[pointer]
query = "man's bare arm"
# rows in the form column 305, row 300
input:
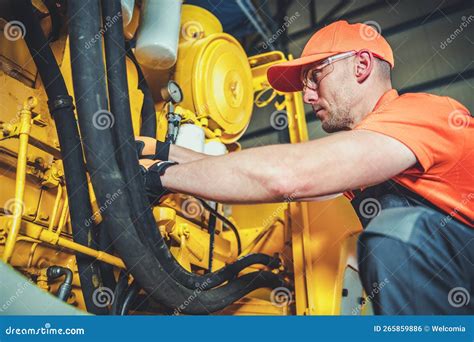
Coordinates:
column 321, row 167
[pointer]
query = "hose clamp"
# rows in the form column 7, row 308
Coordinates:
column 60, row 102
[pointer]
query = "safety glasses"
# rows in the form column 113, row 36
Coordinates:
column 312, row 77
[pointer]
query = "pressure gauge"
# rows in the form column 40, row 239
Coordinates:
column 172, row 92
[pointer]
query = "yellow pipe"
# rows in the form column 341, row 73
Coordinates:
column 57, row 202
column 24, row 134
column 101, row 256
column 64, row 215
column 53, row 239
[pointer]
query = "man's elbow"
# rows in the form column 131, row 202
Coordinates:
column 284, row 185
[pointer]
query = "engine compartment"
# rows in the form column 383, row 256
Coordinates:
column 75, row 219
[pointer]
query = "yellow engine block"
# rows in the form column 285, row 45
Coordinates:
column 221, row 85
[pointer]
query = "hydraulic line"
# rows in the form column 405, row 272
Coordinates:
column 61, row 109
column 148, row 114
column 127, row 161
column 226, row 221
column 64, row 290
column 130, row 296
column 133, row 245
column 18, row 205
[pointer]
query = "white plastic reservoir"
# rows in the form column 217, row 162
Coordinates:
column 158, row 33
column 214, row 148
column 191, row 136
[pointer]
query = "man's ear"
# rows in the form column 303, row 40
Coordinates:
column 364, row 63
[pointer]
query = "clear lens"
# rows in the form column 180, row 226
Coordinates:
column 313, row 76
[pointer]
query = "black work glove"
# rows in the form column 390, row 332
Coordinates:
column 152, row 180
column 162, row 150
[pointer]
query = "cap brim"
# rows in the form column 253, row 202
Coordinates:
column 285, row 77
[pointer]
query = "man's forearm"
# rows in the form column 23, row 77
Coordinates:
column 184, row 155
column 249, row 176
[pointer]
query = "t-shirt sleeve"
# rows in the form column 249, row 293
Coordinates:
column 424, row 127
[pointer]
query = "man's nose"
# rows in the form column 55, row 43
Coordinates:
column 310, row 96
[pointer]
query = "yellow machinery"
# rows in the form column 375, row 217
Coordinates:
column 315, row 241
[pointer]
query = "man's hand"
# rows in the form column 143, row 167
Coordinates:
column 151, row 171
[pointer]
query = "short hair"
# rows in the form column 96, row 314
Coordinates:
column 384, row 69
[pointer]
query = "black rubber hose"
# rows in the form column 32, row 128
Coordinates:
column 225, row 221
column 148, row 114
column 105, row 244
column 119, row 293
column 61, row 109
column 130, row 296
column 127, row 160
column 64, row 290
column 211, row 227
column 106, row 178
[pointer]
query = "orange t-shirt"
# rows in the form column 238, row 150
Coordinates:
column 440, row 132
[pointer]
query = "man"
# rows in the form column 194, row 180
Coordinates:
column 411, row 155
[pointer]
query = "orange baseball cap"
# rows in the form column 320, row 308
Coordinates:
column 331, row 40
